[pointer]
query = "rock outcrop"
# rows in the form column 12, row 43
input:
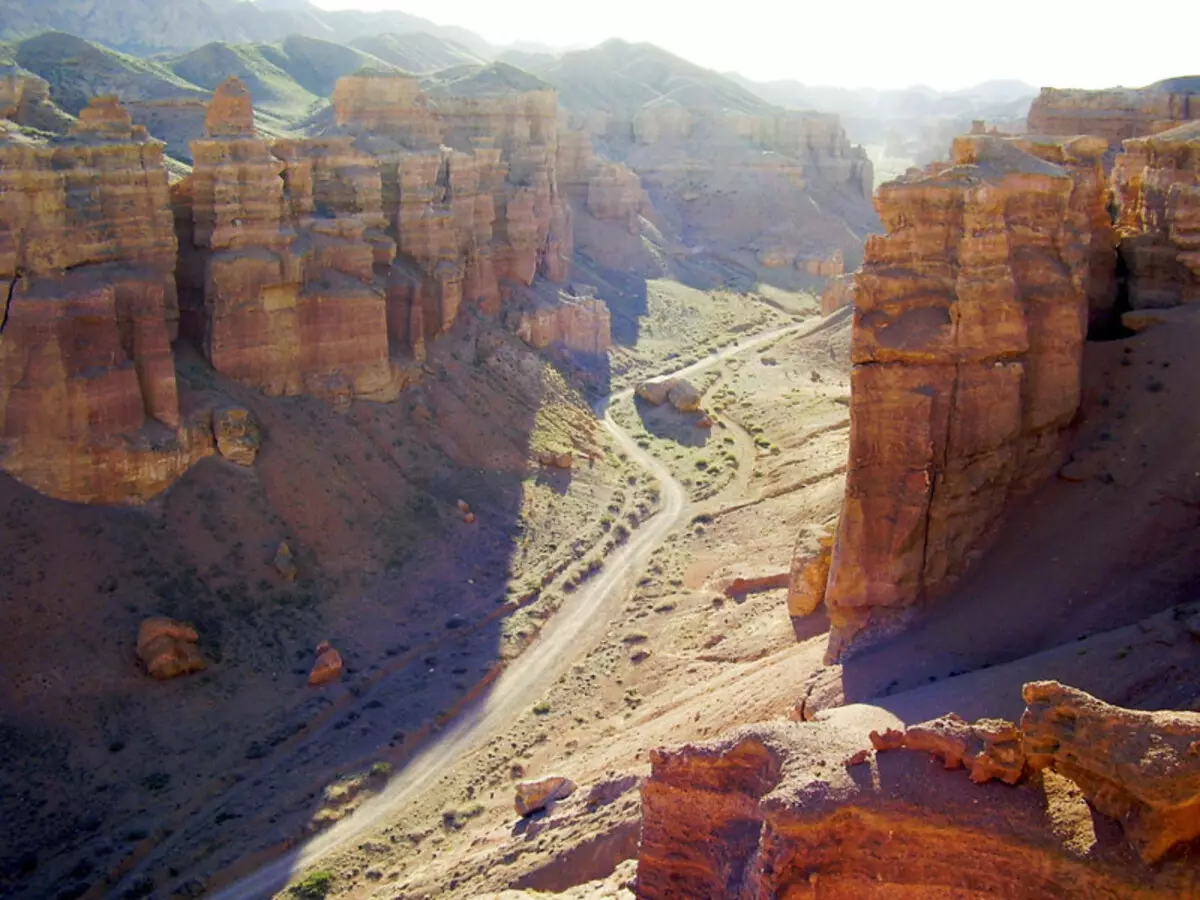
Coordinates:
column 1117, row 114
column 1156, row 182
column 968, row 333
column 89, row 406
column 237, row 434
column 838, row 293
column 168, row 648
column 1140, row 768
column 328, row 667
column 574, row 319
column 988, row 749
column 805, row 809
column 534, row 796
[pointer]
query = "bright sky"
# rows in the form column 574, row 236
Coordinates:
column 860, row 43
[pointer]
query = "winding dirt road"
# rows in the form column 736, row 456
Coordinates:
column 582, row 619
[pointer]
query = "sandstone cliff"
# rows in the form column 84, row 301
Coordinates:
column 89, row 407
column 1117, row 114
column 319, row 266
column 1156, row 182
column 968, row 334
column 806, row 810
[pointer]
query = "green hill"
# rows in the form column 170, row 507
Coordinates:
column 418, row 53
column 316, row 65
column 78, row 70
column 273, row 88
column 621, row 77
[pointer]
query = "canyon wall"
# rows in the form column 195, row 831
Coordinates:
column 807, row 810
column 89, row 406
column 968, row 334
column 1116, row 114
column 317, row 266
column 1156, row 183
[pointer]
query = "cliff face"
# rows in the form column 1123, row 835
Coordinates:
column 89, row 408
column 1156, row 181
column 1115, row 115
column 968, row 332
column 806, row 810
column 324, row 263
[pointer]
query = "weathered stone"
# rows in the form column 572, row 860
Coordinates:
column 231, row 111
column 328, row 667
column 534, row 796
column 1140, row 768
column 1116, row 114
column 684, row 396
column 168, row 648
column 988, row 749
column 968, row 335
column 285, row 562
column 237, row 433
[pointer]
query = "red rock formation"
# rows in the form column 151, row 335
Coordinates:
column 328, row 667
column 803, row 810
column 231, row 111
column 968, row 335
column 1115, row 115
column 581, row 324
column 1140, row 768
column 89, row 408
column 1157, row 185
column 839, row 292
column 168, row 648
column 1083, row 158
column 988, row 749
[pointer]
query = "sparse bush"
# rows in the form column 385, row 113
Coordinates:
column 314, row 886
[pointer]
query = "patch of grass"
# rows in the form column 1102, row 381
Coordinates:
column 542, row 708
column 314, row 886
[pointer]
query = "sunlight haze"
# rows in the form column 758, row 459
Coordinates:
column 870, row 44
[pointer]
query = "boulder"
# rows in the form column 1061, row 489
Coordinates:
column 285, row 562
column 237, row 433
column 533, row 796
column 655, row 392
column 168, row 648
column 328, row 666
column 684, row 396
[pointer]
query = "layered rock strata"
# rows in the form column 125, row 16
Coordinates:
column 323, row 265
column 806, row 810
column 1140, row 768
column 1118, row 114
column 968, row 333
column 1156, row 182
column 89, row 406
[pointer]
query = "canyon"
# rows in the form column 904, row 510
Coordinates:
column 521, row 430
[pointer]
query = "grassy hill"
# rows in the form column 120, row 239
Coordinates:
column 78, row 70
column 316, row 65
column 621, row 77
column 418, row 53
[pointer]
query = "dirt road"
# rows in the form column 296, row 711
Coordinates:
column 583, row 618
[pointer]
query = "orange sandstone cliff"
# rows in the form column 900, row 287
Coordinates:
column 89, row 407
column 1156, row 182
column 807, row 810
column 1116, row 114
column 968, row 333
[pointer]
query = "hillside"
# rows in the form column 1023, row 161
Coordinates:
column 271, row 85
column 78, row 70
column 151, row 26
column 620, row 77
column 417, row 52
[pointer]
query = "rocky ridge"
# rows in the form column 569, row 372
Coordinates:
column 1117, row 114
column 807, row 810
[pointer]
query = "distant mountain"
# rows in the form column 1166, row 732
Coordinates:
column 418, row 52
column 78, row 70
column 151, row 26
column 621, row 77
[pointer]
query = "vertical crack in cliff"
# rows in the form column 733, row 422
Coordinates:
column 12, row 289
column 938, row 469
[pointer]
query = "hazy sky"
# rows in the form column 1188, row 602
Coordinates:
column 862, row 43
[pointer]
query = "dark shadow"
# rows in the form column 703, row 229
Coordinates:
column 810, row 626
column 670, row 424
